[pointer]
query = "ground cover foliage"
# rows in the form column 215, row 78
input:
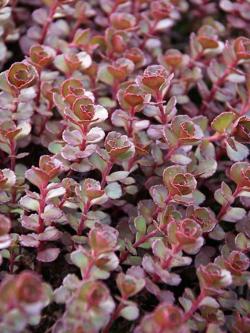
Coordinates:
column 124, row 170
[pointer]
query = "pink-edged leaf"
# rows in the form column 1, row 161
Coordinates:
column 29, row 240
column 49, row 234
column 48, row 255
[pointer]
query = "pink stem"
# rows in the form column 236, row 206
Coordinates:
column 131, row 119
column 216, row 137
column 12, row 154
column 171, row 151
column 225, row 207
column 84, row 130
column 83, row 218
column 216, row 85
column 114, row 316
column 169, row 260
column 42, row 204
column 142, row 240
column 48, row 22
column 196, row 303
column 159, row 100
column 106, row 173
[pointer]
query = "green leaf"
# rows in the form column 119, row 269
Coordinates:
column 56, row 192
column 118, row 175
column 113, row 190
column 159, row 248
column 104, row 75
column 4, row 86
column 234, row 214
column 79, row 259
column 130, row 312
column 205, row 168
column 242, row 242
column 223, row 121
column 236, row 171
column 140, row 224
column 129, row 247
column 98, row 273
column 55, row 147
column 199, row 197
column 211, row 302
column 98, row 162
column 37, row 177
column 29, row 203
column 224, row 194
column 159, row 194
column 236, row 151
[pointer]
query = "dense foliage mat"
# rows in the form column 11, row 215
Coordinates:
column 125, row 179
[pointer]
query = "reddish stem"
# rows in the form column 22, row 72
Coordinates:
column 216, row 137
column 106, row 173
column 225, row 207
column 115, row 88
column 113, row 9
column 140, row 241
column 12, row 154
column 83, row 218
column 42, row 204
column 171, row 151
column 131, row 119
column 159, row 100
column 245, row 108
column 16, row 102
column 12, row 262
column 149, row 34
column 84, row 130
column 37, row 100
column 135, row 8
column 114, row 316
column 79, row 21
column 64, row 198
column 13, row 165
column 48, row 22
column 216, row 85
column 43, row 125
column 86, row 272
column 166, row 264
column 196, row 303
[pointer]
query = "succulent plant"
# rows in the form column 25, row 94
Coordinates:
column 124, row 166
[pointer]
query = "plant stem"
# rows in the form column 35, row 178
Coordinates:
column 225, row 207
column 131, row 119
column 12, row 154
column 12, row 146
column 12, row 262
column 42, row 205
column 216, row 85
column 84, row 130
column 114, row 316
column 215, row 137
column 86, row 273
column 106, row 173
column 159, row 100
column 194, row 306
column 48, row 22
column 140, row 241
column 83, row 218
column 169, row 260
column 77, row 25
column 171, row 151
column 245, row 108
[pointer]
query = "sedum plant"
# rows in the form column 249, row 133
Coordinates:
column 124, row 166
